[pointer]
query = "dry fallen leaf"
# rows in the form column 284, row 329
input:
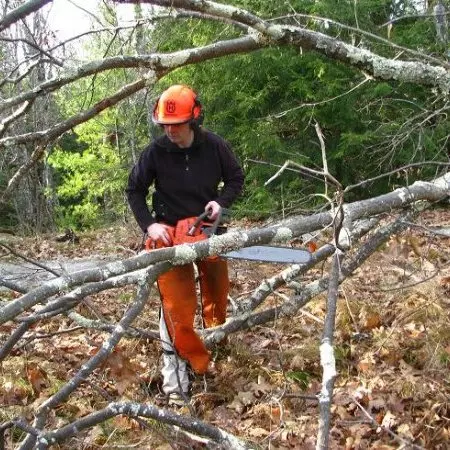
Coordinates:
column 366, row 364
column 246, row 398
column 13, row 394
column 37, row 377
column 126, row 423
column 275, row 415
column 237, row 405
column 122, row 369
column 405, row 431
column 370, row 320
column 376, row 404
column 389, row 420
column 260, row 388
column 258, row 432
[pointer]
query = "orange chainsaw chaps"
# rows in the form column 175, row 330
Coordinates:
column 214, row 287
column 179, row 301
column 182, row 228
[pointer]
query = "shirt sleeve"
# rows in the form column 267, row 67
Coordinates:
column 140, row 179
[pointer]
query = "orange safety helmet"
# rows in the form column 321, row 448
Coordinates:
column 177, row 104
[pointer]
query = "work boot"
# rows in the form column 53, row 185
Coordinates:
column 172, row 399
column 177, row 399
column 161, row 399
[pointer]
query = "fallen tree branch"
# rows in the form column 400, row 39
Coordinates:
column 288, row 275
column 183, row 254
column 193, row 425
column 327, row 359
column 29, row 260
column 404, row 442
column 289, row 308
column 377, row 66
column 105, row 350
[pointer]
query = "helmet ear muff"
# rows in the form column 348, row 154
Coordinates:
column 155, row 110
column 197, row 112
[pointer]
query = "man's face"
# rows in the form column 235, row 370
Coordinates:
column 180, row 134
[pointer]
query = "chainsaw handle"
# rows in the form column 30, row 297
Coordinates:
column 202, row 217
column 216, row 223
column 197, row 222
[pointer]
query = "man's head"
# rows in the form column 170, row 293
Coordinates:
column 177, row 110
column 177, row 104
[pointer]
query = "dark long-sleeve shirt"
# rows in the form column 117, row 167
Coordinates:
column 185, row 179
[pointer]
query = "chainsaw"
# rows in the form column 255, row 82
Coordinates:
column 263, row 253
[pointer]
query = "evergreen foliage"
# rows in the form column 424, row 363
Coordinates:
column 266, row 104
column 91, row 166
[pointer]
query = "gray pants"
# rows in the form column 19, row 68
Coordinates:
column 174, row 371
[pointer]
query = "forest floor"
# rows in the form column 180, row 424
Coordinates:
column 392, row 348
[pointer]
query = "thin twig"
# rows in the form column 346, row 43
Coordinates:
column 396, row 437
column 321, row 102
column 31, row 261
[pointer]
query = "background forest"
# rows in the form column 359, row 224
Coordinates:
column 338, row 111
column 265, row 103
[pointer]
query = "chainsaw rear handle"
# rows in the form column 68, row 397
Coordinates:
column 211, row 230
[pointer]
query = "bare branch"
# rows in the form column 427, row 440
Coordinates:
column 379, row 67
column 21, row 76
column 142, row 22
column 45, row 137
column 294, row 271
column 404, row 442
column 21, row 12
column 282, row 232
column 374, row 37
column 217, row 9
column 7, row 121
column 306, row 293
column 36, row 47
column 322, row 102
column 406, row 17
column 193, row 425
column 327, row 359
column 11, row 285
column 31, row 261
column 287, row 166
column 159, row 62
column 86, row 370
column 13, row 340
column 392, row 172
column 437, row 231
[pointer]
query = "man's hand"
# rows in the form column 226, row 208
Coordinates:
column 214, row 209
column 158, row 231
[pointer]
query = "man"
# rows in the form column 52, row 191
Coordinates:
column 186, row 166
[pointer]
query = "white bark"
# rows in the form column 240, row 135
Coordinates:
column 182, row 254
